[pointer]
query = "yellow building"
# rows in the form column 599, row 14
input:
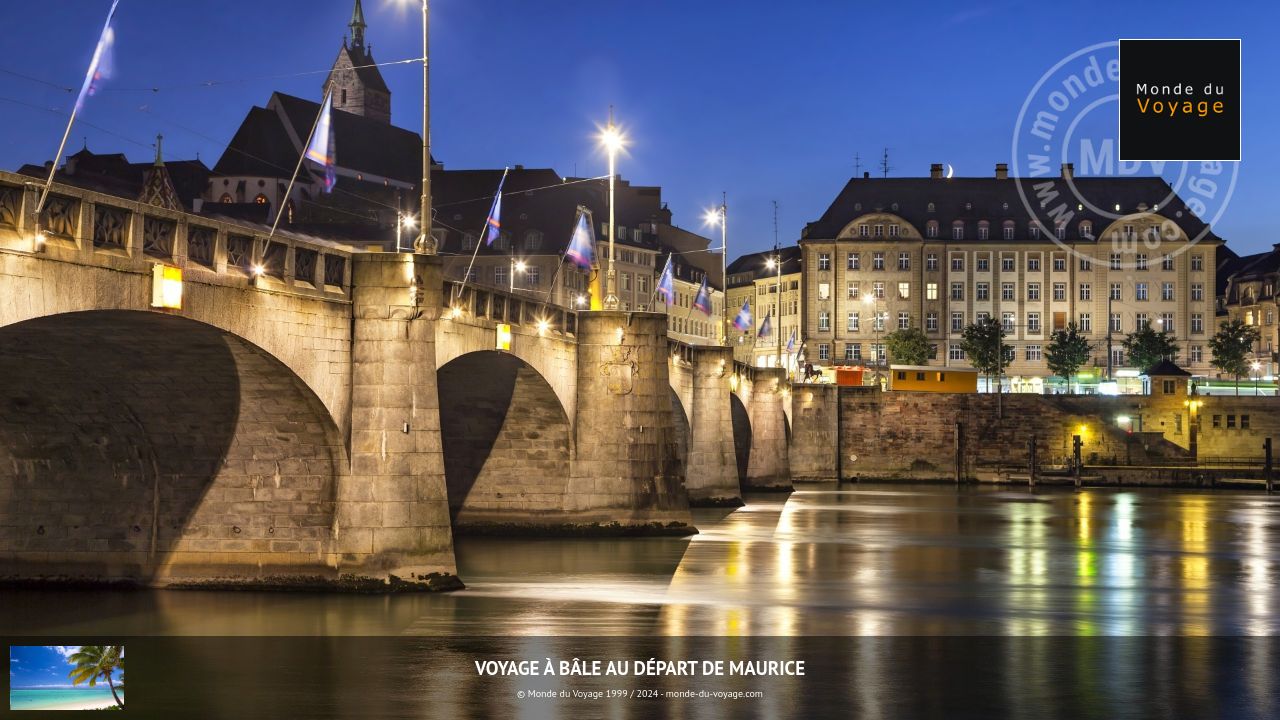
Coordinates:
column 925, row 378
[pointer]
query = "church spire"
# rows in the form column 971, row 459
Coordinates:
column 357, row 26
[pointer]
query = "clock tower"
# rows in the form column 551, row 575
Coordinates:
column 358, row 87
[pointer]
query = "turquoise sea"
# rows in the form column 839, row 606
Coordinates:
column 73, row 698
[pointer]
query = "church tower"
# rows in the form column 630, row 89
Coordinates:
column 357, row 84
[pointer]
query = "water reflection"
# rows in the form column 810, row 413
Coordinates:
column 849, row 560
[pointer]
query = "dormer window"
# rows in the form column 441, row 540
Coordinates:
column 1007, row 229
column 984, row 230
column 1086, row 229
column 931, row 207
column 931, row 227
column 957, row 230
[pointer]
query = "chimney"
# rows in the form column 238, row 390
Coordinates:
column 1002, row 171
column 935, row 171
column 1068, row 170
column 866, row 174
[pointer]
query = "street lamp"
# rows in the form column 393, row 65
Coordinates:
column 1257, row 367
column 613, row 140
column 870, row 299
column 775, row 263
column 407, row 222
column 422, row 244
column 720, row 216
column 517, row 266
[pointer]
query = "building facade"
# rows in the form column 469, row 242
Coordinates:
column 1249, row 295
column 940, row 253
column 754, row 280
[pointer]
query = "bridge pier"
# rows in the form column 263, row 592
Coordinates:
column 711, row 473
column 768, row 467
column 625, row 474
column 391, row 523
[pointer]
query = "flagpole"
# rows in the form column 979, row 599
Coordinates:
column 75, row 110
column 301, row 156
column 467, row 275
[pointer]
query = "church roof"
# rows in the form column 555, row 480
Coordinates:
column 263, row 145
column 366, row 68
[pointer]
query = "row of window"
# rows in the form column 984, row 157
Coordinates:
column 1009, row 229
column 1032, row 325
column 1008, row 291
column 691, row 326
column 1141, row 261
column 1030, row 353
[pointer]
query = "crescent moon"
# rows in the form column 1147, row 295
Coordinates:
column 950, row 171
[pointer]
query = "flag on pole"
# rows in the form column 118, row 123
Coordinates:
column 743, row 321
column 493, row 225
column 702, row 300
column 100, row 65
column 766, row 327
column 320, row 149
column 791, row 341
column 666, row 284
column 582, row 247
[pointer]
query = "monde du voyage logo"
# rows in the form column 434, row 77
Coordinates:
column 1180, row 100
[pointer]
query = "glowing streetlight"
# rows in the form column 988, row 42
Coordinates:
column 580, row 301
column 612, row 139
column 407, row 222
column 517, row 266
column 870, row 300
column 1257, row 367
column 713, row 217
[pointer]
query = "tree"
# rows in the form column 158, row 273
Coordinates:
column 907, row 347
column 1147, row 347
column 1066, row 352
column 1231, row 346
column 97, row 661
column 983, row 344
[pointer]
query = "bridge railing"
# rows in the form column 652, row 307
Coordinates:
column 93, row 228
column 487, row 303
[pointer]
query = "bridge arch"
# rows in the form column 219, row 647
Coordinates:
column 507, row 440
column 309, row 334
column 741, row 435
column 150, row 447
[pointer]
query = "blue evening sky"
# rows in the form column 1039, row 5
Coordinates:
column 764, row 100
column 42, row 666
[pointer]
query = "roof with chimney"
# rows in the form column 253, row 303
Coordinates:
column 997, row 199
column 755, row 266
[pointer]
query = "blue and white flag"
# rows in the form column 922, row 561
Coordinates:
column 100, row 65
column 702, row 301
column 320, row 149
column 666, row 284
column 791, row 341
column 582, row 248
column 493, row 225
column 743, row 321
column 766, row 327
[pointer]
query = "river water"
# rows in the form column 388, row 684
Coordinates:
column 1032, row 595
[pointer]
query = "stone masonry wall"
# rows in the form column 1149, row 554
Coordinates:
column 625, row 470
column 506, row 441
column 137, row 446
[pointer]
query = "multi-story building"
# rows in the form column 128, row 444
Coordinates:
column 754, row 279
column 940, row 253
column 1249, row 295
column 684, row 321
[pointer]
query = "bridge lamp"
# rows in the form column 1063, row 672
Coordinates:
column 503, row 341
column 39, row 239
column 543, row 326
column 166, row 287
column 613, row 141
column 580, row 301
column 258, row 270
column 410, row 222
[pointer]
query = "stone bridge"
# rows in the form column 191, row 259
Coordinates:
column 314, row 414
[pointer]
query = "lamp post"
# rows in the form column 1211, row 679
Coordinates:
column 720, row 216
column 517, row 266
column 775, row 263
column 426, row 137
column 406, row 222
column 612, row 139
column 1257, row 367
column 870, row 299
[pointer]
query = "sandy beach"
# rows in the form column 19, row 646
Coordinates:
column 60, row 699
column 94, row 704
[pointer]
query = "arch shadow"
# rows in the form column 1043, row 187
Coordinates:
column 506, row 439
column 130, row 437
column 681, row 434
column 741, row 436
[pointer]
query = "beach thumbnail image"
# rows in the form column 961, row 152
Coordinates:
column 66, row 677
